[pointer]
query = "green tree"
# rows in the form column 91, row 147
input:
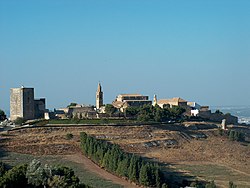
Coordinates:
column 164, row 185
column 68, row 176
column 2, row 168
column 2, row 115
column 176, row 112
column 232, row 185
column 159, row 114
column 57, row 182
column 114, row 159
column 146, row 113
column 144, row 176
column 132, row 111
column 123, row 166
column 218, row 112
column 69, row 136
column 232, row 135
column 37, row 175
column 14, row 177
column 19, row 121
column 210, row 185
column 133, row 170
column 110, row 109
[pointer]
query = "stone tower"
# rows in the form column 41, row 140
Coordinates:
column 155, row 100
column 99, row 96
column 22, row 103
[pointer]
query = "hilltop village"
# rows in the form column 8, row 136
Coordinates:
column 23, row 105
column 133, row 139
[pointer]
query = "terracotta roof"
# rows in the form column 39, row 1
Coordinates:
column 163, row 101
column 130, row 95
column 178, row 99
column 136, row 100
column 166, row 101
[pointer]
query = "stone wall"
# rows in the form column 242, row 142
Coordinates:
column 21, row 103
column 217, row 117
column 40, row 108
column 16, row 109
column 28, row 103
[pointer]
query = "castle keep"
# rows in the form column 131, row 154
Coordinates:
column 23, row 104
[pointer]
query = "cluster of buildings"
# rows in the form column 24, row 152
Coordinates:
column 23, row 104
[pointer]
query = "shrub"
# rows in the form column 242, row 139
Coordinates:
column 69, row 136
column 19, row 121
column 2, row 168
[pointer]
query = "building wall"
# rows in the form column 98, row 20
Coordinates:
column 16, row 101
column 22, row 103
column 194, row 104
column 218, row 117
column 40, row 107
column 194, row 112
column 99, row 99
column 28, row 103
column 131, row 97
column 138, row 103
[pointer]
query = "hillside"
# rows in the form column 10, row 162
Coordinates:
column 189, row 151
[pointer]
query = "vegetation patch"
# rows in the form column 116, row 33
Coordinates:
column 112, row 158
column 12, row 159
column 221, row 174
column 36, row 175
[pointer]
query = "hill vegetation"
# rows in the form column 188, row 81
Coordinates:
column 112, row 158
column 35, row 175
column 186, row 152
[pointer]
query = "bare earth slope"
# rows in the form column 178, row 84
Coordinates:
column 185, row 150
column 82, row 160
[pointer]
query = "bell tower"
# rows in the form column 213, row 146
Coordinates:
column 155, row 101
column 99, row 96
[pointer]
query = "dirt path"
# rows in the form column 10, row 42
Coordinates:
column 92, row 167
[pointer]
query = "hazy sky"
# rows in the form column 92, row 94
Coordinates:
column 196, row 49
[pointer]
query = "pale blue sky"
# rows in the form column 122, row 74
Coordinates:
column 198, row 50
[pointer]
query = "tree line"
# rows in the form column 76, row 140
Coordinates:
column 114, row 159
column 233, row 135
column 149, row 112
column 35, row 175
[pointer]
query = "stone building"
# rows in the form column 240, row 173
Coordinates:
column 125, row 100
column 218, row 117
column 23, row 104
column 82, row 112
column 39, row 107
column 177, row 101
column 99, row 97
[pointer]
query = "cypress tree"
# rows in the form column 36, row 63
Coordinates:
column 144, row 176
column 122, row 168
column 132, row 170
column 231, row 135
column 112, row 158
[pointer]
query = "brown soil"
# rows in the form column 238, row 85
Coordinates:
column 169, row 144
column 88, row 164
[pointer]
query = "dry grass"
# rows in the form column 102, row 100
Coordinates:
column 216, row 155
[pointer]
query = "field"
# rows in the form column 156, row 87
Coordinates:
column 85, row 175
column 186, row 152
